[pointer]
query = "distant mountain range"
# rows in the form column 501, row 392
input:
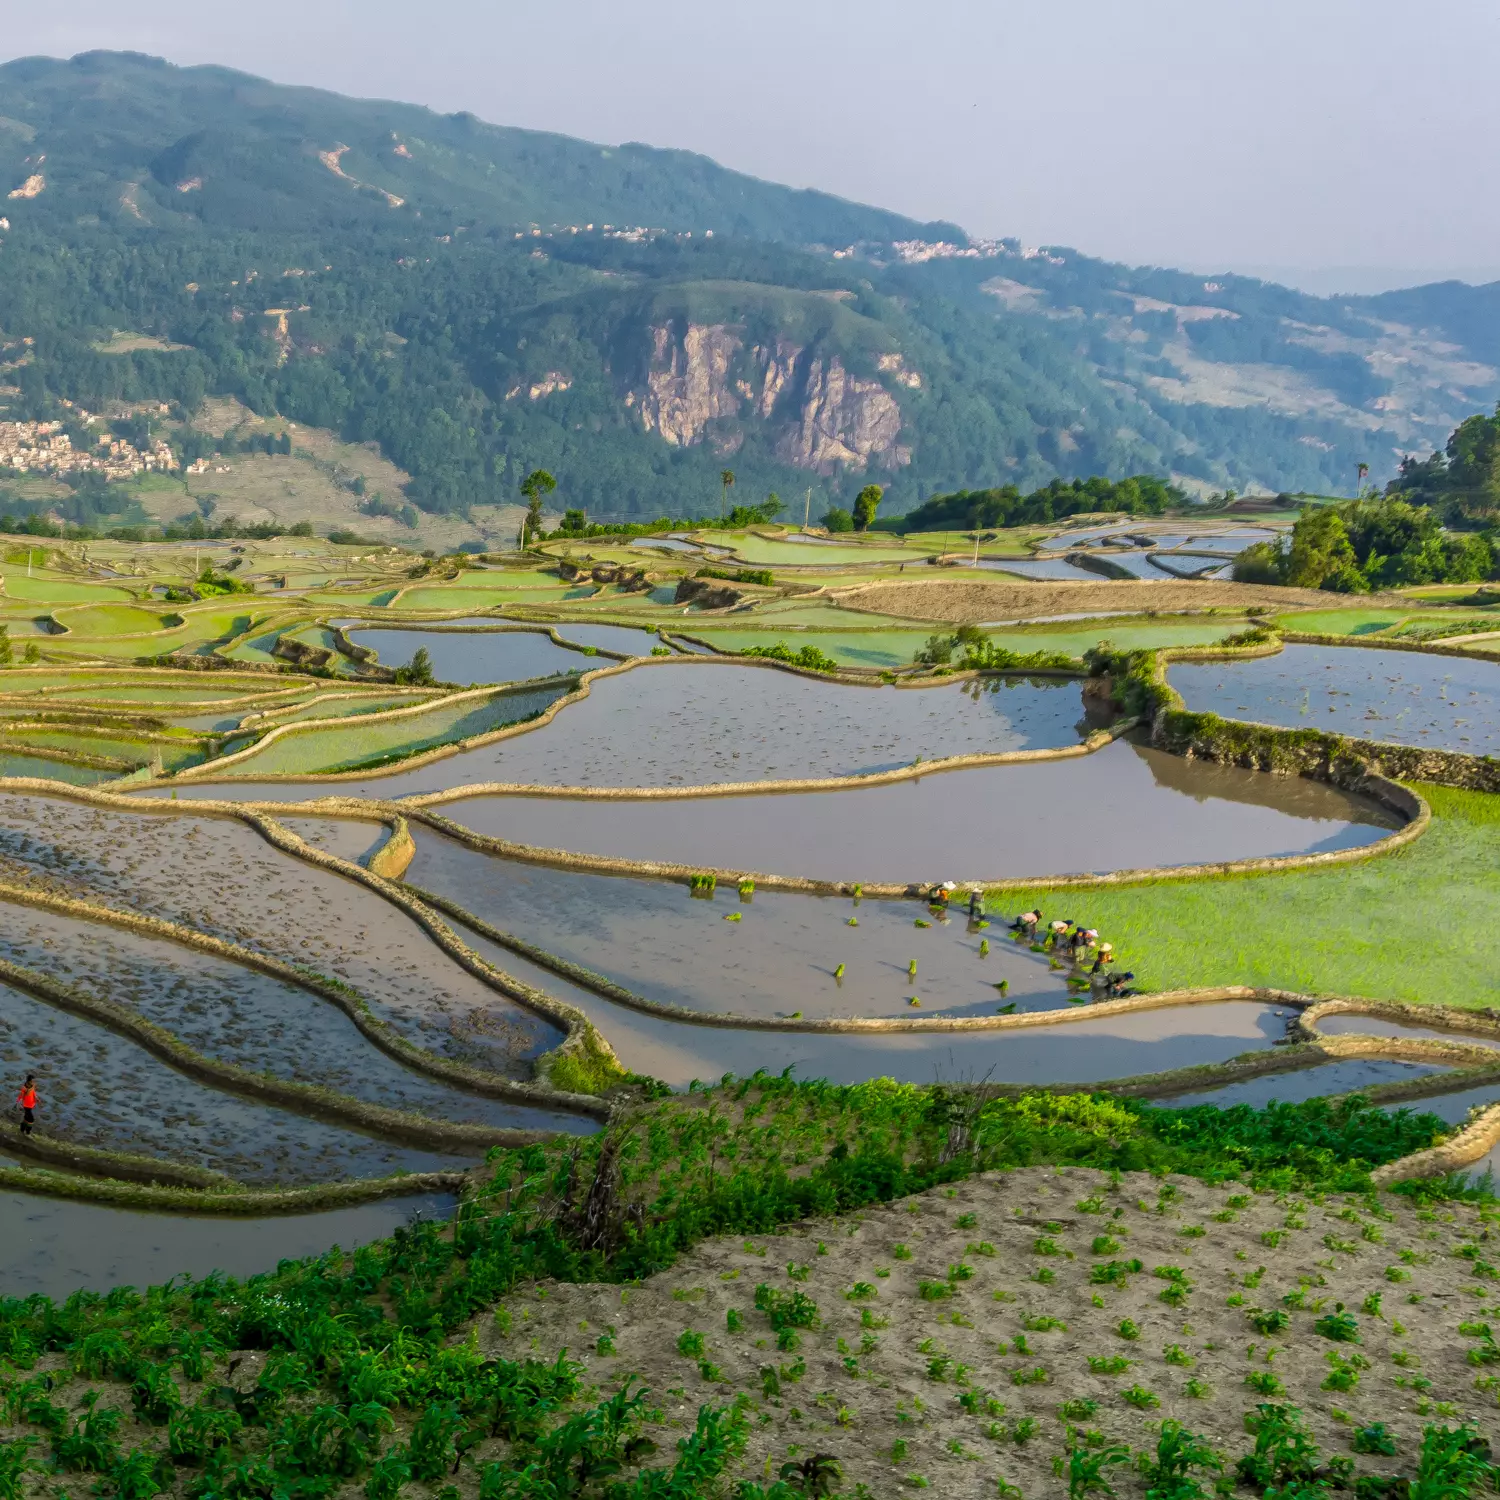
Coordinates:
column 482, row 300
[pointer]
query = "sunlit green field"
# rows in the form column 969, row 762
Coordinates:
column 1413, row 925
column 59, row 590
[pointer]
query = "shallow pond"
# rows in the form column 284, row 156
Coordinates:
column 1355, row 1025
column 1122, row 807
column 1404, row 697
column 237, row 1015
column 99, row 1089
column 1037, row 567
column 1345, row 1076
column 621, row 638
column 53, row 1246
column 220, row 877
column 688, row 723
column 473, row 656
column 657, row 940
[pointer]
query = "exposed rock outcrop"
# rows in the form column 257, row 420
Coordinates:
column 702, row 383
column 706, row 593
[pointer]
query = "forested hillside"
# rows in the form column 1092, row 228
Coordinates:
column 480, row 301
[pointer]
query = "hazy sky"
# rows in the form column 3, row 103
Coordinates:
column 1286, row 136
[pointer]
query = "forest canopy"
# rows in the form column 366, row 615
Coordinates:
column 968, row 510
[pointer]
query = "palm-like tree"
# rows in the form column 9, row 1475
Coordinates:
column 726, row 479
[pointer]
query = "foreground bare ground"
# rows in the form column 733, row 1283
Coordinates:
column 977, row 599
column 1029, row 1276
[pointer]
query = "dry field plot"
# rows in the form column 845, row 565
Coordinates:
column 972, row 599
column 959, row 1334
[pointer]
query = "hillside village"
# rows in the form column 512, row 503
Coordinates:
column 47, row 448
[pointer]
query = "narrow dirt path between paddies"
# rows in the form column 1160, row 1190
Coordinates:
column 961, row 1333
column 1417, row 924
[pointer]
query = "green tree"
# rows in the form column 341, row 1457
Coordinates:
column 835, row 518
column 536, row 486
column 1321, row 555
column 418, row 671
column 866, row 503
column 1473, row 468
column 726, row 483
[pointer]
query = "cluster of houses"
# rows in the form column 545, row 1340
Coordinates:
column 47, row 448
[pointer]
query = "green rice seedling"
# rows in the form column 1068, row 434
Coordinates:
column 851, row 922
column 1005, row 1490
column 984, row 947
column 1140, row 1398
column 1114, row 1273
column 869, row 1319
column 796, row 1272
column 1044, row 1276
column 1175, row 1354
column 981, row 1247
column 921, row 922
column 1018, row 1345
column 966, row 1221
column 1269, row 1320
column 1339, row 1326
column 1343, row 1374
column 1104, row 1244
column 747, row 889
column 92, row 1446
column 605, row 1344
column 733, row 916
column 1252, row 1279
column 1085, row 1469
column 1197, row 1390
column 1038, row 1376
column 690, row 1343
column 901, row 1252
column 1041, row 1323
column 1109, row 1364
column 960, row 1272
column 734, row 1320
column 1374, row 1439
column 861, row 1291
column 1265, row 1383
column 1023, row 1431
column 1128, row 1330
column 1371, row 1305
column 938, row 1367
column 1285, row 1452
column 934, row 1291
column 1170, row 1473
column 1079, row 1409
column 1454, row 1461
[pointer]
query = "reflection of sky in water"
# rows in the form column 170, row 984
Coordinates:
column 1406, row 697
column 53, row 1247
column 1342, row 1077
column 1119, row 808
column 654, row 938
column 466, row 656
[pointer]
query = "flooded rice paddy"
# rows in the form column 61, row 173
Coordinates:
column 1348, row 1075
column 781, row 955
column 1123, row 807
column 220, row 877
column 53, row 1246
column 1404, row 697
column 493, row 654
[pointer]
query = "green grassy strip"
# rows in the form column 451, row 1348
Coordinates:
column 1414, row 926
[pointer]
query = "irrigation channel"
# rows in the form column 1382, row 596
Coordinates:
column 272, row 1013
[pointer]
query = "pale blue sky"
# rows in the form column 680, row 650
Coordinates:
column 1285, row 136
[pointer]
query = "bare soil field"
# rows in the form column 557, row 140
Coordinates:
column 973, row 600
column 958, row 1336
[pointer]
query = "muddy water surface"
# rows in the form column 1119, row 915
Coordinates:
column 1343, row 1077
column 220, row 877
column 1404, row 697
column 779, row 956
column 52, row 1247
column 236, row 1015
column 1122, row 807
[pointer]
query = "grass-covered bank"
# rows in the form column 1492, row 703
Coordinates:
column 369, row 1372
column 1413, row 925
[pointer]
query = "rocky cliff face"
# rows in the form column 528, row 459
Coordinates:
column 703, row 384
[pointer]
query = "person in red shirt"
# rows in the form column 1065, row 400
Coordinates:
column 27, row 1100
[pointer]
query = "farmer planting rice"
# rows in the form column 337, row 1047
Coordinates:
column 1026, row 924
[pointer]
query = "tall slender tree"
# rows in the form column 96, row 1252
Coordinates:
column 866, row 503
column 536, row 486
column 726, row 481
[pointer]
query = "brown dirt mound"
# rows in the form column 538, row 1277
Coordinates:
column 972, row 599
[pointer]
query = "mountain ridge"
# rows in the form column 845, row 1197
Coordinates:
column 480, row 300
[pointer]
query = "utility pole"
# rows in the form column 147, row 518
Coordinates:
column 807, row 509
